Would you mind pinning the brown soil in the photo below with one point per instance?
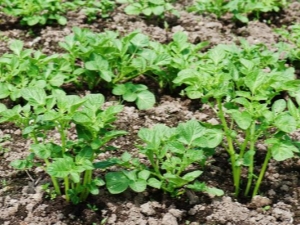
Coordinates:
(22, 202)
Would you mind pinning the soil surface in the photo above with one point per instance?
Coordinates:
(23, 202)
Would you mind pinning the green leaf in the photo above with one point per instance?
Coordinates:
(282, 151)
(41, 150)
(248, 158)
(138, 185)
(140, 40)
(119, 89)
(106, 75)
(33, 20)
(292, 109)
(217, 55)
(254, 80)
(214, 191)
(4, 91)
(190, 131)
(57, 80)
(94, 101)
(16, 46)
(158, 10)
(69, 103)
(34, 95)
(133, 9)
(192, 175)
(243, 119)
(144, 174)
(145, 100)
(63, 167)
(2, 107)
(153, 182)
(285, 123)
(247, 63)
(62, 20)
(279, 106)
(210, 139)
(130, 96)
(116, 182)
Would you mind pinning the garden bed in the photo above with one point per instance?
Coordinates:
(24, 202)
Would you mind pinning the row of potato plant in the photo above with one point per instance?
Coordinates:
(240, 9)
(41, 12)
(99, 59)
(70, 163)
(243, 85)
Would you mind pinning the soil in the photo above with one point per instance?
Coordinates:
(23, 202)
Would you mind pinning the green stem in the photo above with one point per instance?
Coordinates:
(54, 180)
(155, 166)
(242, 151)
(251, 166)
(230, 149)
(62, 137)
(86, 180)
(262, 172)
(66, 181)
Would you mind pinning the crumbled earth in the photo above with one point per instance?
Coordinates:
(23, 202)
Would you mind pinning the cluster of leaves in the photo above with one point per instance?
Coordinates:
(70, 161)
(28, 68)
(149, 7)
(32, 12)
(99, 59)
(240, 9)
(292, 36)
(171, 151)
(243, 86)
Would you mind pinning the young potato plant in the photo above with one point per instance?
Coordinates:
(34, 12)
(243, 87)
(28, 68)
(92, 8)
(240, 9)
(106, 59)
(292, 36)
(41, 12)
(183, 55)
(175, 156)
(66, 160)
(149, 7)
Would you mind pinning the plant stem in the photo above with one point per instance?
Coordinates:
(230, 149)
(62, 137)
(86, 180)
(262, 172)
(251, 166)
(242, 151)
(54, 180)
(66, 181)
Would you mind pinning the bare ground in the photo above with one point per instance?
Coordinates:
(22, 202)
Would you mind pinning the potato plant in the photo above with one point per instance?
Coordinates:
(171, 151)
(149, 7)
(241, 9)
(69, 162)
(27, 68)
(242, 85)
(41, 12)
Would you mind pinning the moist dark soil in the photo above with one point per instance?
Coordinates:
(23, 202)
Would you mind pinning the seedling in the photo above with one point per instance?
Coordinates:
(70, 161)
(170, 151)
(240, 9)
(149, 7)
(241, 92)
